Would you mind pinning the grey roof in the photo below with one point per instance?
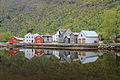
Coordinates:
(67, 36)
(47, 34)
(62, 31)
(90, 33)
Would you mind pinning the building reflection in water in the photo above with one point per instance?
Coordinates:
(87, 57)
(13, 51)
(30, 53)
(61, 55)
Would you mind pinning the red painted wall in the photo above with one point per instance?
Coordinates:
(38, 39)
(13, 51)
(13, 40)
(39, 52)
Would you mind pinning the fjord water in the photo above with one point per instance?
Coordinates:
(42, 64)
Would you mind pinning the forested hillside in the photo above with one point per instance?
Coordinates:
(18, 16)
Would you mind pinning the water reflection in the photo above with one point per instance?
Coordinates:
(30, 53)
(87, 57)
(14, 51)
(62, 55)
(45, 64)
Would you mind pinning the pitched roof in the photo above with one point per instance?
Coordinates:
(90, 33)
(36, 34)
(28, 34)
(62, 31)
(67, 36)
(75, 33)
(47, 34)
(18, 38)
(89, 59)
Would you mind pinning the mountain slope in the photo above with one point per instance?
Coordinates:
(18, 16)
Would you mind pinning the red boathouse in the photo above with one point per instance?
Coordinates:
(38, 39)
(14, 51)
(13, 40)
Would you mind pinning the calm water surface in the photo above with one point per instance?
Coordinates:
(42, 64)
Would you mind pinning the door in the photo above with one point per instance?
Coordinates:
(32, 41)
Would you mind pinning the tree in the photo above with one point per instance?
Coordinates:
(109, 23)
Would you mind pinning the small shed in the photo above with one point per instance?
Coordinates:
(38, 39)
(88, 37)
(67, 39)
(47, 38)
(13, 40)
(73, 37)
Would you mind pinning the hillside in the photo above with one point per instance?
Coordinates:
(18, 16)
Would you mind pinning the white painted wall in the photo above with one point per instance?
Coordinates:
(81, 37)
(29, 38)
(91, 40)
(56, 37)
(88, 39)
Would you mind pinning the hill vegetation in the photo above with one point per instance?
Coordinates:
(18, 16)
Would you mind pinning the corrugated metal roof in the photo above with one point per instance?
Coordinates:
(19, 38)
(47, 34)
(62, 31)
(89, 59)
(68, 36)
(36, 34)
(90, 33)
(75, 33)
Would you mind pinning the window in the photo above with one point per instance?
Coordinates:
(81, 35)
(14, 40)
(47, 38)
